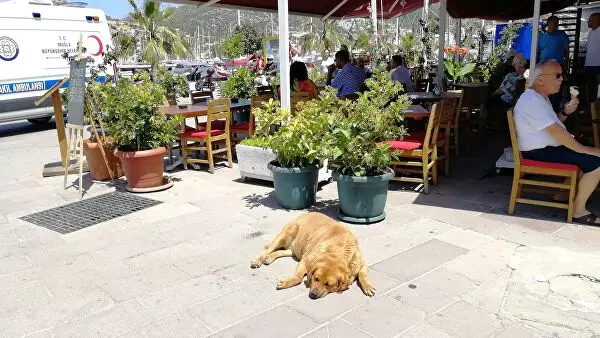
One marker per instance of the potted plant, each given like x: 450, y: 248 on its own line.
x: 298, y: 152
x: 140, y: 132
x: 174, y: 85
x: 359, y: 160
x: 239, y: 85
x: 254, y: 153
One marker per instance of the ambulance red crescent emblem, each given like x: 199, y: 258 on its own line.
x: 100, y: 45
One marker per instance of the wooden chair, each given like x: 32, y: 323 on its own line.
x: 200, y: 96
x: 247, y: 128
x: 217, y: 110
x: 75, y: 152
x: 465, y: 117
x: 595, y: 112
x: 454, y: 128
x: 523, y: 166
x: 297, y: 96
x: 422, y: 154
x: 447, y: 117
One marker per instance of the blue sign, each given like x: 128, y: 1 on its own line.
x: 33, y: 86
x: 522, y: 43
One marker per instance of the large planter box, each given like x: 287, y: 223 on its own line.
x: 253, y: 162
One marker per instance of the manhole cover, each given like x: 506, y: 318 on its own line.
x: 85, y: 213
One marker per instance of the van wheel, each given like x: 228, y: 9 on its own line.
x: 40, y: 120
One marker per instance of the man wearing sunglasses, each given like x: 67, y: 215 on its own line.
x: 542, y: 136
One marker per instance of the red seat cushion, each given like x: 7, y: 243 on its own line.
x: 201, y: 133
x: 217, y: 124
x: 404, y: 144
x: 419, y: 136
x: 244, y: 126
x: 549, y: 165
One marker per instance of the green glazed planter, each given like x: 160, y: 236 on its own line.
x: 362, y: 199
x: 295, y: 188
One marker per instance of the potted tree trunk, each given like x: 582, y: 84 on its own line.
x: 298, y: 155
x: 140, y: 132
x: 357, y: 156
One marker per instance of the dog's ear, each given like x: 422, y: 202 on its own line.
x: 342, y: 282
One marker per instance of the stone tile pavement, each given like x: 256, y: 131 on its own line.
x: 448, y: 264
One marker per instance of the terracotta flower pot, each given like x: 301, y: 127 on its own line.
x: 143, y: 169
x: 96, y: 163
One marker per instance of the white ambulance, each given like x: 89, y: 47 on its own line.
x: 33, y: 36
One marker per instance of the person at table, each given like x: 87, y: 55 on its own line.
x: 542, y: 136
x: 504, y: 97
x: 401, y: 74
x: 299, y: 80
x: 349, y: 79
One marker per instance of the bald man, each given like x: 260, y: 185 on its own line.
x: 542, y: 136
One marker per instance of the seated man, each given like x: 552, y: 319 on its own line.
x: 349, y: 79
x: 400, y: 73
x: 542, y: 136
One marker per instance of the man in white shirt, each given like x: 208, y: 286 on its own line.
x: 400, y: 73
x: 592, y: 56
x: 542, y: 136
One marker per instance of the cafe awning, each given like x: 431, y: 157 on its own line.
x: 322, y: 8
x: 461, y: 9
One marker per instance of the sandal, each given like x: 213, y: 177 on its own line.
x: 589, y: 219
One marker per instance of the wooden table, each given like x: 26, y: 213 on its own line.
x: 430, y: 97
x: 416, y: 112
x: 194, y: 110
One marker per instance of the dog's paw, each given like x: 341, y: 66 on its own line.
x: 281, y: 285
x: 256, y: 264
x: 368, y: 289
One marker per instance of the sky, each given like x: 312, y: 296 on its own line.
x: 113, y: 8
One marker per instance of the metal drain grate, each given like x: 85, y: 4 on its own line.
x: 85, y: 213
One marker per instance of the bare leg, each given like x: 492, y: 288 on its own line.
x: 364, y: 283
x: 586, y: 186
x: 295, y: 280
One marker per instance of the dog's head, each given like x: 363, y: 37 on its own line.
x: 327, y: 275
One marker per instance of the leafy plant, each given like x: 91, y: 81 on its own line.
x: 239, y: 85
x: 233, y: 47
x: 456, y: 72
x: 316, y: 74
x: 173, y: 84
x: 507, y: 38
x: 357, y: 129
x: 132, y: 107
x: 268, y: 118
x: 299, y: 141
x: 251, y: 39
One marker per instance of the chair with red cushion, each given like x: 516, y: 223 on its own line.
x: 247, y: 128
x: 205, y: 139
x: 568, y: 172
x: 418, y: 152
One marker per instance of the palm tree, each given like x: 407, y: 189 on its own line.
x: 160, y: 41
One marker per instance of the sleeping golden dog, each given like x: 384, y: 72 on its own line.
x: 328, y: 254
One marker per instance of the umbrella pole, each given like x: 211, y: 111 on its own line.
x: 284, y: 54
x: 535, y: 27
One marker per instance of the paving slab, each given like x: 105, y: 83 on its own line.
x: 338, y: 328
x: 418, y: 260
x: 398, y: 317
x: 281, y: 321
x: 434, y: 290
x: 464, y: 320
